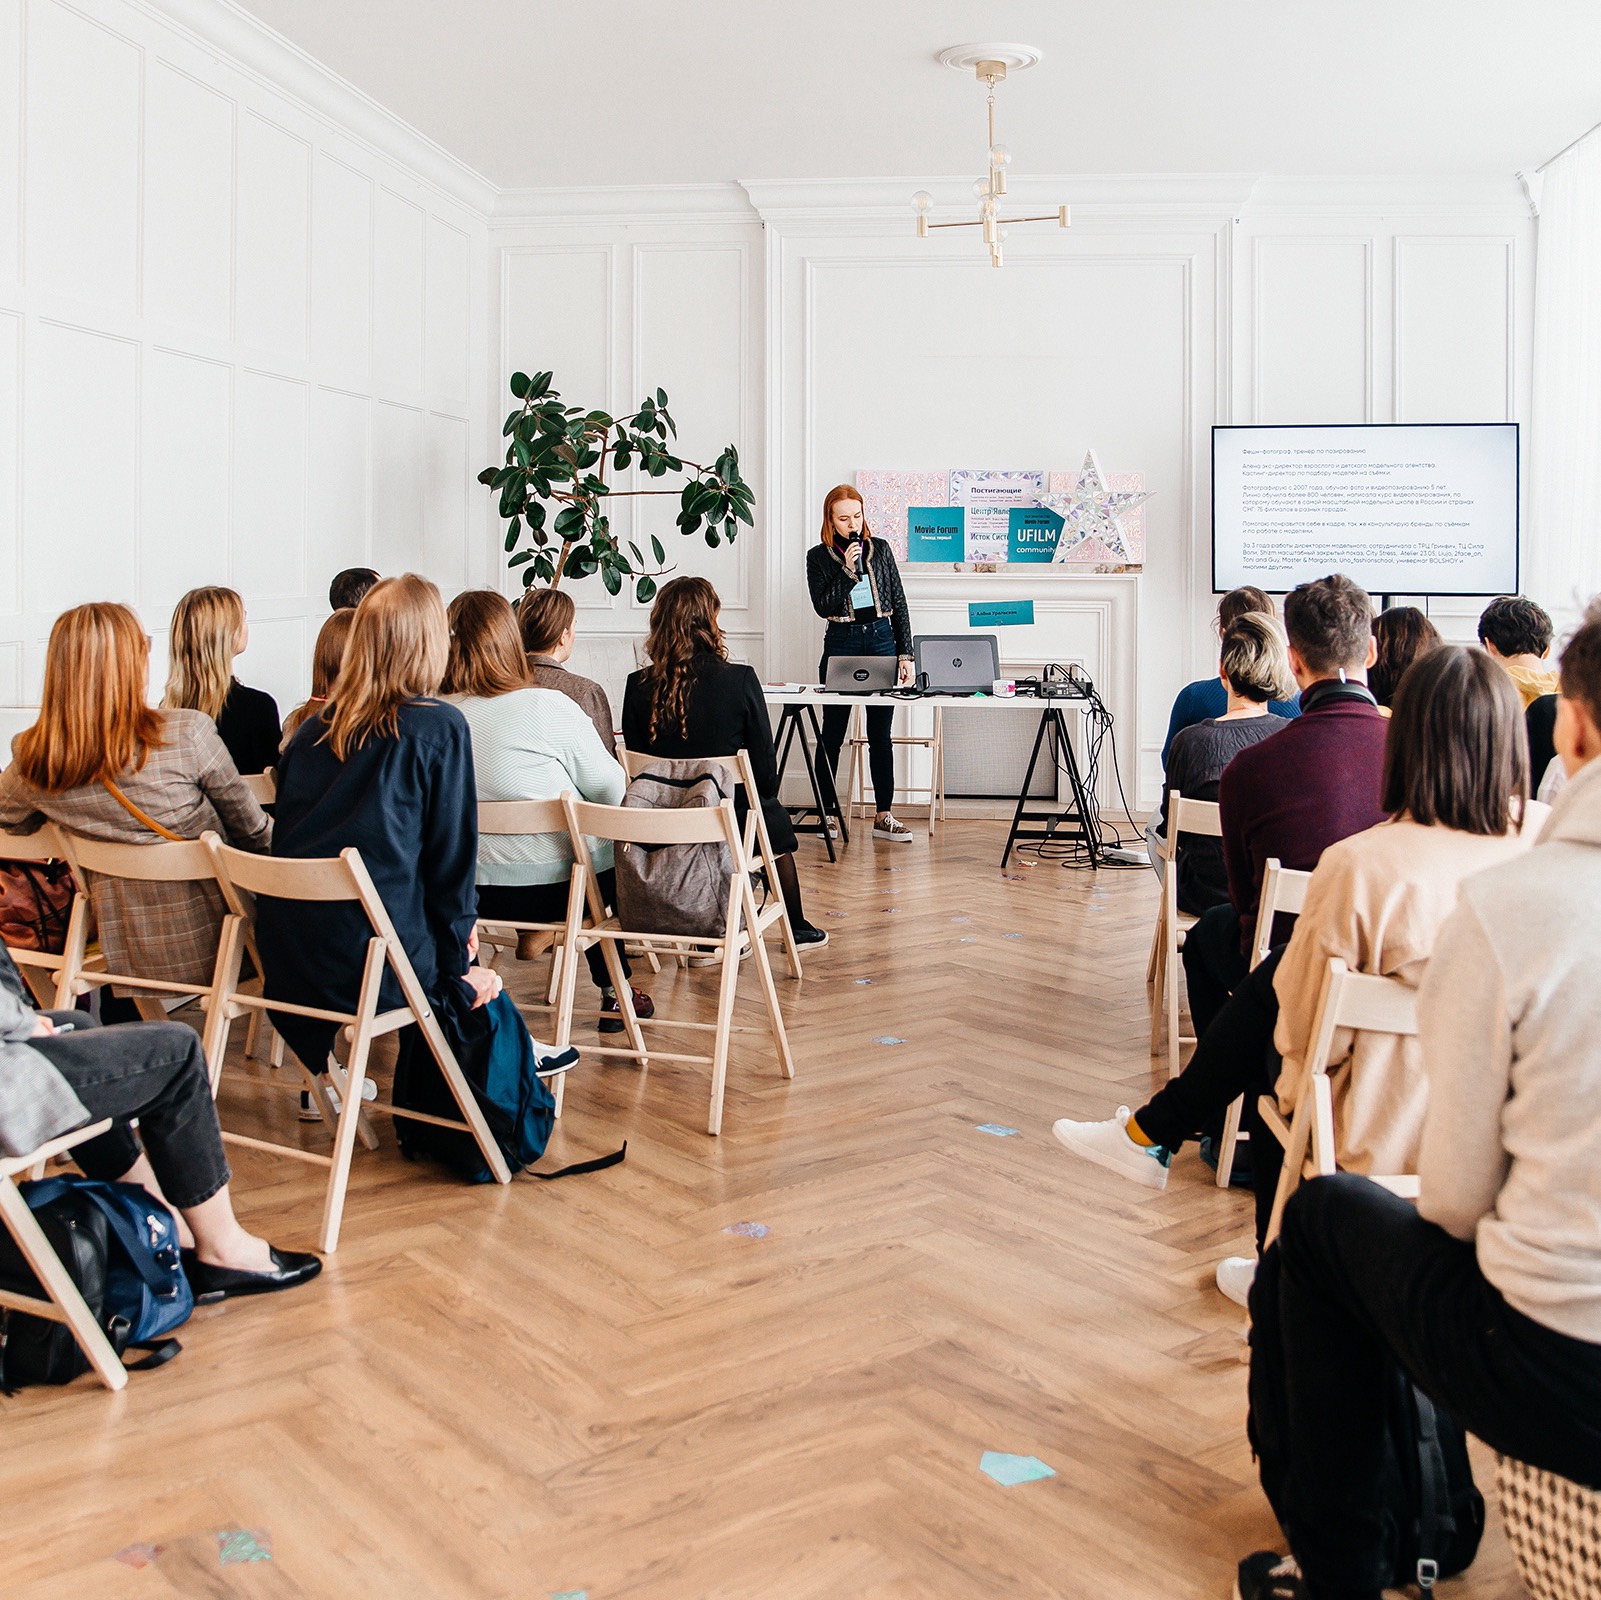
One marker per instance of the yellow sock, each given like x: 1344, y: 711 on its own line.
x: 1137, y: 1133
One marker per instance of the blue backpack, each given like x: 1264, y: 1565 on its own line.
x: 119, y: 1244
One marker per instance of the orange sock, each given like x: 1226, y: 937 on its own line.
x: 1137, y: 1134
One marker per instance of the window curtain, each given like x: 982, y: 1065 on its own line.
x: 1562, y: 549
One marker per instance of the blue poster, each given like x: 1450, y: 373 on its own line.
x: 936, y: 533
x: 1032, y: 533
x: 1000, y: 614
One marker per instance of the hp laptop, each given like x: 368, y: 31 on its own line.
x: 860, y: 674
x: 956, y: 663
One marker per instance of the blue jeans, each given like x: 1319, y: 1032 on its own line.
x: 875, y: 638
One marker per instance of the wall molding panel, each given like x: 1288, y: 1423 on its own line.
x: 199, y: 388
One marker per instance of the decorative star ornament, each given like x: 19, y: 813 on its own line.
x: 1089, y: 510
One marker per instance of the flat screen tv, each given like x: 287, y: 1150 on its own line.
x: 1403, y: 508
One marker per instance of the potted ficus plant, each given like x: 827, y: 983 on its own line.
x: 555, y: 496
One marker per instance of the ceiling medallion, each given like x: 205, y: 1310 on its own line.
x: 990, y: 64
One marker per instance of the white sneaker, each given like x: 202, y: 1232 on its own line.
x: 1108, y: 1145
x: 887, y: 826
x: 308, y: 1107
x: 1235, y: 1275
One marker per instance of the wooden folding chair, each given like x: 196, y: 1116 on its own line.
x: 62, y: 1302
x: 1283, y: 892
x: 42, y: 969
x: 932, y: 741
x: 344, y: 877
x: 1162, y: 971
x: 263, y: 787
x: 501, y: 933
x: 758, y: 844
x: 1352, y: 1000
x: 626, y: 826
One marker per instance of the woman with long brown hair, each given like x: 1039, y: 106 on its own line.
x: 530, y: 743
x: 856, y: 586
x: 385, y: 767
x: 693, y: 701
x: 103, y: 763
x: 327, y: 656
x: 208, y: 630
x: 1401, y: 634
x: 548, y: 620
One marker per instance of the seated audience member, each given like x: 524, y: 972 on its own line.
x: 1206, y: 697
x: 208, y: 630
x: 1253, y: 669
x: 1517, y: 633
x: 1400, y: 635
x: 546, y: 618
x: 1292, y: 796
x: 101, y: 762
x: 1541, y: 721
x: 326, y: 658
x: 349, y: 587
x: 1455, y: 794
x: 1487, y: 1293
x: 386, y: 768
x: 693, y: 701
x: 150, y: 1072
x: 530, y: 744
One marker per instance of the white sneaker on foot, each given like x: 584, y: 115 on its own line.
x: 1108, y: 1145
x: 1235, y: 1275
x: 888, y: 826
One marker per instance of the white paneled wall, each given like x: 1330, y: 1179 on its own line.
x: 244, y: 331
x: 809, y: 317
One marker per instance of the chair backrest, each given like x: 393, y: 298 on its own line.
x: 326, y: 878
x: 45, y: 845
x: 172, y: 861
x: 522, y: 816
x: 1283, y: 894
x: 263, y: 786
x: 1190, y: 816
x: 758, y: 847
x: 641, y: 825
x: 1361, y: 1001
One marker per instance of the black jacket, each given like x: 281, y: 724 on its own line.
x: 831, y: 583
x: 249, y: 728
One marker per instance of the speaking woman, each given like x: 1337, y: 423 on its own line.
x: 856, y: 586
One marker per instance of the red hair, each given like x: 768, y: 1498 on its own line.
x: 842, y: 491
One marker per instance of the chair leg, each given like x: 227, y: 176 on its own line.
x: 1158, y: 998
x: 725, y: 1025
x: 775, y: 1016
x: 350, y: 1105
x: 1153, y: 965
x: 56, y: 1282
x: 1171, y: 985
x: 1231, y: 1139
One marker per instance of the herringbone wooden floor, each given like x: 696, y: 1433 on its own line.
x: 592, y: 1386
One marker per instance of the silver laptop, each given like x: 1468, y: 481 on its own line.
x: 859, y: 674
x: 956, y: 663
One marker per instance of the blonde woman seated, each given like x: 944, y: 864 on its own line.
x: 101, y: 762
x: 1455, y: 787
x: 208, y: 630
x: 529, y: 744
x: 326, y: 657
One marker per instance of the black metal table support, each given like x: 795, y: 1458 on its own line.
x: 1080, y: 821
x: 794, y: 723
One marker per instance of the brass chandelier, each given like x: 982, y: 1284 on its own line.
x: 990, y: 63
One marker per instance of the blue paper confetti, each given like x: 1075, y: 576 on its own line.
x: 749, y: 1230
x: 1011, y: 936
x: 1008, y: 1470
x: 570, y: 1594
x: 999, y: 1129
x: 236, y: 1546
x: 863, y: 982
x: 961, y: 919
x: 888, y: 1038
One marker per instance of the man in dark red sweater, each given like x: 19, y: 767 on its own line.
x: 1306, y: 787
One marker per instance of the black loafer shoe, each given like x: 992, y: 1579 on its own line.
x: 210, y: 1284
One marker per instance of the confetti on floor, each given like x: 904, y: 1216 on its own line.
x: 889, y: 911
x: 1011, y: 936
x: 863, y: 982
x: 570, y: 1594
x: 139, y: 1556
x: 238, y: 1545
x: 999, y: 1129
x: 749, y: 1230
x: 888, y: 1038
x: 961, y: 919
x: 1008, y: 1470
x: 968, y: 940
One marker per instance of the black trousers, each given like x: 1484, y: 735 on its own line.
x: 1233, y: 1057
x: 1213, y: 964
x: 547, y: 902
x: 153, y: 1071
x: 858, y: 639
x: 1357, y: 1280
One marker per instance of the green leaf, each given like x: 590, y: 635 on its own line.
x: 645, y: 590
x: 521, y: 556
x: 742, y: 511
x: 636, y: 552
x: 536, y: 515
x: 528, y: 578
x: 511, y: 422
x: 488, y: 475
x: 612, y: 578
x: 657, y: 551
x: 730, y: 529
x: 541, y: 385
x: 520, y: 450
x: 661, y: 398
x: 712, y: 539
x: 568, y: 519
x: 520, y: 385
x: 513, y: 533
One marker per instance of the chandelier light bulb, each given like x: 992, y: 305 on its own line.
x: 922, y: 202
x: 981, y: 188
x: 1000, y: 156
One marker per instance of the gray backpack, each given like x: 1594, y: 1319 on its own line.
x: 675, y: 888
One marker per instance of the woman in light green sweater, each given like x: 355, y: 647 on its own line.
x: 529, y: 744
